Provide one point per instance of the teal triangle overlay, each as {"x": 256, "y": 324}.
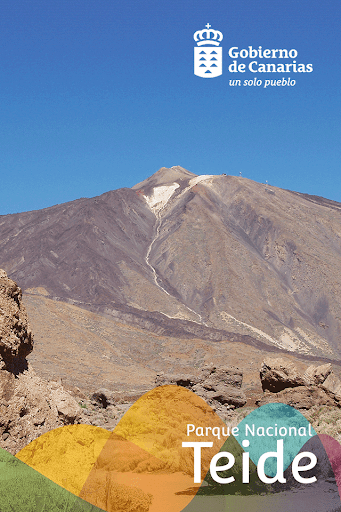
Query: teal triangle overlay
{"x": 292, "y": 427}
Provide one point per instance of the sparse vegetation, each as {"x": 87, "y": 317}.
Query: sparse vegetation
{"x": 325, "y": 420}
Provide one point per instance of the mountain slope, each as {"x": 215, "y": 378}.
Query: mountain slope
{"x": 223, "y": 252}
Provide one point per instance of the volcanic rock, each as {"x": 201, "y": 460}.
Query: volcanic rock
{"x": 317, "y": 374}
{"x": 186, "y": 380}
{"x": 102, "y": 397}
{"x": 222, "y": 375}
{"x": 16, "y": 339}
{"x": 277, "y": 374}
{"x": 219, "y": 386}
{"x": 105, "y": 398}
{"x": 332, "y": 385}
{"x": 300, "y": 397}
{"x": 29, "y": 406}
{"x": 317, "y": 386}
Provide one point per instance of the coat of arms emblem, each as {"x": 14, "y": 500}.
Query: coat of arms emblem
{"x": 208, "y": 55}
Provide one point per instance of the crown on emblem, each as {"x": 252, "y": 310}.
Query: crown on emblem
{"x": 215, "y": 40}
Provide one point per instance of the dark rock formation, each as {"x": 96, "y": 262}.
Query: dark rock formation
{"x": 219, "y": 386}
{"x": 301, "y": 397}
{"x": 277, "y": 374}
{"x": 282, "y": 382}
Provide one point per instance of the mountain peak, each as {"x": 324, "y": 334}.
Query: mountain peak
{"x": 165, "y": 176}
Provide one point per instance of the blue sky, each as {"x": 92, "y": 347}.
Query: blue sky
{"x": 99, "y": 94}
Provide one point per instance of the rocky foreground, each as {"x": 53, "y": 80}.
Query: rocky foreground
{"x": 31, "y": 406}
{"x": 316, "y": 393}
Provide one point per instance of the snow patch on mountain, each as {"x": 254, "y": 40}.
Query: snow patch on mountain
{"x": 161, "y": 196}
{"x": 199, "y": 179}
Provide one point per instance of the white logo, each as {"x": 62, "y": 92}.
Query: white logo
{"x": 208, "y": 61}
